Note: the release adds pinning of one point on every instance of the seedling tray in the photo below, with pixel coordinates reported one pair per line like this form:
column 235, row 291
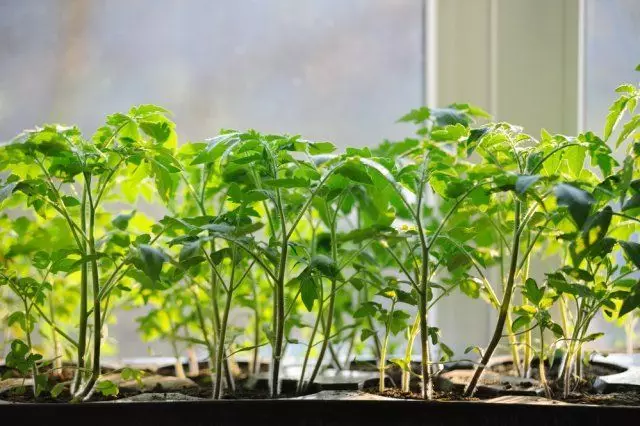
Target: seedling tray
column 317, row 412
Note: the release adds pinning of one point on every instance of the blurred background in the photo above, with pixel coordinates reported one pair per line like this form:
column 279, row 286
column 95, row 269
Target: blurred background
column 338, row 70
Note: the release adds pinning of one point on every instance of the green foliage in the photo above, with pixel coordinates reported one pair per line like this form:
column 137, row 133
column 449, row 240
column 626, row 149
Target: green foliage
column 345, row 252
column 107, row 388
column 21, row 358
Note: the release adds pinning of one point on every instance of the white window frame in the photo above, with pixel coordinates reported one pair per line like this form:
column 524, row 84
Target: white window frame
column 523, row 61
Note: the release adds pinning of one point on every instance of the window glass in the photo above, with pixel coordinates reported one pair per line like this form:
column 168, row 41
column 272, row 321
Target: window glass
column 612, row 52
column 338, row 70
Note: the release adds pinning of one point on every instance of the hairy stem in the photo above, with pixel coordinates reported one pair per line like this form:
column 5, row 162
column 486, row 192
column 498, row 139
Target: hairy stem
column 423, row 310
column 542, row 367
column 61, row 332
column 566, row 371
column 279, row 314
column 310, row 346
column 84, row 272
column 332, row 298
column 255, row 364
column 57, row 359
column 174, row 346
column 220, row 357
column 334, row 356
column 504, row 307
column 513, row 344
column 216, row 320
column 412, row 333
column 34, row 367
column 526, row 366
column 377, row 347
column 95, row 281
column 205, row 334
column 382, row 365
column 528, row 334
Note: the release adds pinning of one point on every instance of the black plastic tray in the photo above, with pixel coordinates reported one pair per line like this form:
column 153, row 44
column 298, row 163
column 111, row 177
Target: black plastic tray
column 314, row 412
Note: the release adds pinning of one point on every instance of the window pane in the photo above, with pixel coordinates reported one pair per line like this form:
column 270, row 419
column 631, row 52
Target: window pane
column 612, row 48
column 339, row 70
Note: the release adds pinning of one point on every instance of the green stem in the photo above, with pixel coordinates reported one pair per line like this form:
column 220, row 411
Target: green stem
column 326, row 329
column 334, row 357
column 449, row 214
column 97, row 325
column 84, row 284
column 515, row 353
column 332, row 296
column 411, row 337
column 220, row 357
column 34, row 367
column 568, row 359
column 377, row 345
column 542, row 367
column 205, row 332
column 563, row 314
column 309, row 200
column 504, row 307
column 112, row 172
column 352, row 341
column 583, row 333
column 528, row 334
column 382, row 366
column 579, row 362
column 174, row 346
column 307, row 354
column 54, row 326
column 424, row 291
column 256, row 332
column 424, row 342
column 526, row 365
column 54, row 334
column 404, row 270
column 62, row 209
column 95, row 278
column 279, row 312
column 629, row 327
column 215, row 277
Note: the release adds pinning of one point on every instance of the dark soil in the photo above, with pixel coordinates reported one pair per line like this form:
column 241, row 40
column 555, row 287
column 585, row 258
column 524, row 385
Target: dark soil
column 65, row 396
column 437, row 395
column 204, row 390
column 255, row 394
column 206, row 393
column 630, row 399
column 585, row 394
column 619, row 398
column 203, row 380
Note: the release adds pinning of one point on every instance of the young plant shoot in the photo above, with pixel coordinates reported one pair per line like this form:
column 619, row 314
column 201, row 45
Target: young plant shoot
column 270, row 243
